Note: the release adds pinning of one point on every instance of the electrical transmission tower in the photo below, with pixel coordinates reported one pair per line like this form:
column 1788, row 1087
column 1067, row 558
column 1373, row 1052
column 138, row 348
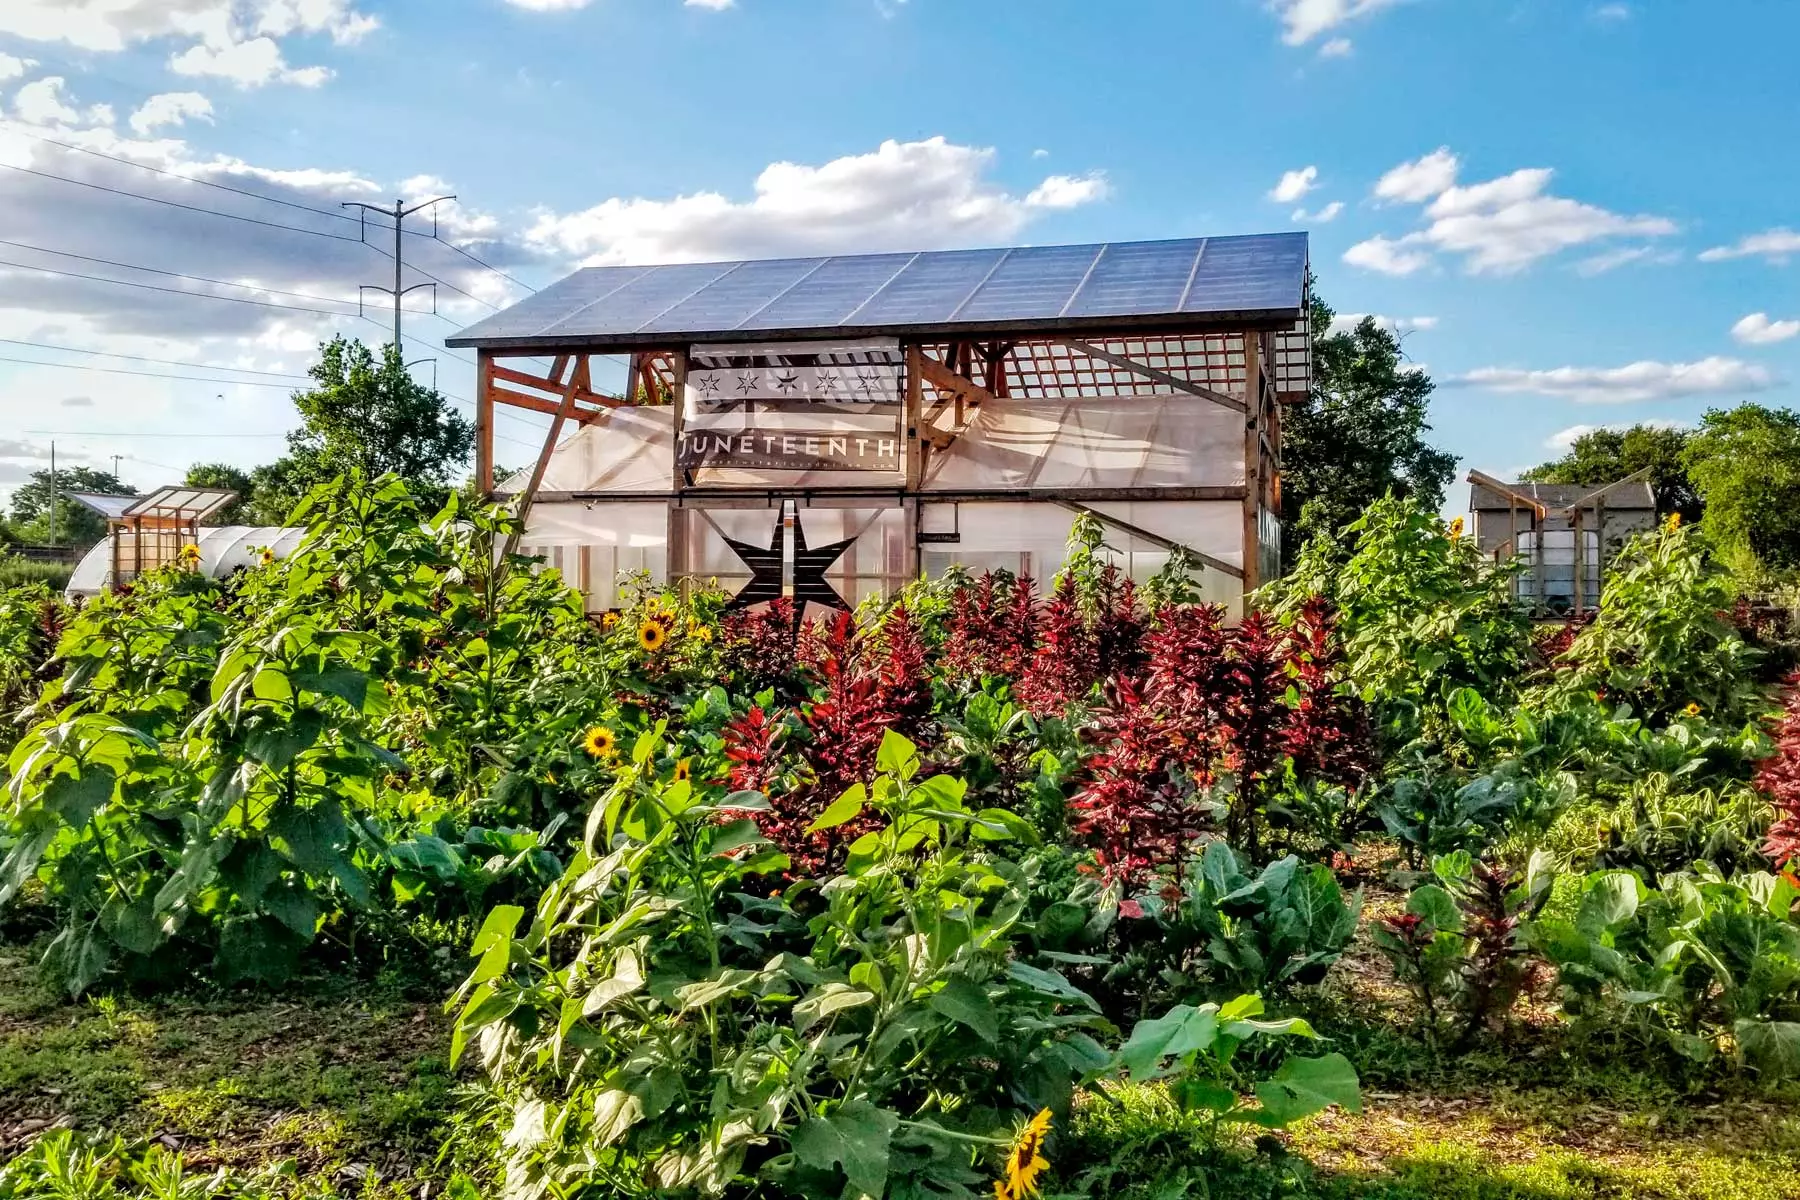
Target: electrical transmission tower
column 398, row 214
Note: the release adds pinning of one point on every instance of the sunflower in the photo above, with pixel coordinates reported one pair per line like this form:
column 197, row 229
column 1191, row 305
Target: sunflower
column 609, row 618
column 684, row 770
column 651, row 635
column 1456, row 527
column 1025, row 1161
column 1673, row 523
column 266, row 557
column 599, row 742
column 190, row 554
column 699, row 632
column 1692, row 710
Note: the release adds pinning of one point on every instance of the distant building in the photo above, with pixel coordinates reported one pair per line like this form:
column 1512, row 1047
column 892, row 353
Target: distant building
column 1568, row 534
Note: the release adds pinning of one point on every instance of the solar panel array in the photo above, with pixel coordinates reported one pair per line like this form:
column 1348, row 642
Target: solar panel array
column 929, row 291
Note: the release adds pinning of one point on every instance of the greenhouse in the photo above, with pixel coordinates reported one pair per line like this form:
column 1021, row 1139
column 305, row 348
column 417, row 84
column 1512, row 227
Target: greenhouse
column 223, row 549
column 829, row 428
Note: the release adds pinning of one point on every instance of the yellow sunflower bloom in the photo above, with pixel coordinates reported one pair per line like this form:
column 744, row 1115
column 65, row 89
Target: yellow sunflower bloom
column 608, row 619
column 1456, row 527
column 600, row 742
column 1692, row 710
column 266, row 557
column 684, row 770
column 651, row 635
column 1673, row 523
column 699, row 632
column 1025, row 1161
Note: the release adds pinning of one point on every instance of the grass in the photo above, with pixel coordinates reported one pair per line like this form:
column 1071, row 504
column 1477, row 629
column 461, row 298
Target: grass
column 333, row 1088
column 347, row 1083
column 15, row 572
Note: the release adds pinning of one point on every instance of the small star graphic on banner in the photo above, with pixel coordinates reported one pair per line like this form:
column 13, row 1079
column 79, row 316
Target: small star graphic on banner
column 708, row 385
column 867, row 382
column 746, row 383
column 787, row 383
column 824, row 382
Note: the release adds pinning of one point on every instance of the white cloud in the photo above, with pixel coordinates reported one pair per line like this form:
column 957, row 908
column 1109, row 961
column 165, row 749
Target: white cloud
column 550, row 5
column 1294, row 184
column 1418, row 181
column 170, row 108
column 44, row 102
column 1613, row 12
column 1040, row 152
column 903, row 195
column 1772, row 244
column 1757, row 330
column 1390, row 257
column 231, row 39
column 1303, row 20
column 1502, row 225
column 253, row 63
column 714, row 5
column 1611, row 260
column 1345, row 322
column 13, row 68
column 1069, row 191
column 1328, row 213
column 1637, row 381
column 1337, row 48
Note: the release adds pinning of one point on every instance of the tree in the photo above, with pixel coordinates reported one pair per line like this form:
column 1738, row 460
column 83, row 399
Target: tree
column 76, row 524
column 369, row 415
column 229, row 478
column 1745, row 466
column 1359, row 436
column 1603, row 456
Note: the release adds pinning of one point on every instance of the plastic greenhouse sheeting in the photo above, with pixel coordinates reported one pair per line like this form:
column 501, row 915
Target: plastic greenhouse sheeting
column 223, row 549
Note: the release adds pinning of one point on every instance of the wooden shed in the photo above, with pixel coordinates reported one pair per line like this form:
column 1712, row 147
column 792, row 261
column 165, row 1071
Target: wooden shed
column 1566, row 533
column 834, row 427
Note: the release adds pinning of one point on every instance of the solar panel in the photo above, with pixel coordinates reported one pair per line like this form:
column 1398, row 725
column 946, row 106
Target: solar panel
column 932, row 291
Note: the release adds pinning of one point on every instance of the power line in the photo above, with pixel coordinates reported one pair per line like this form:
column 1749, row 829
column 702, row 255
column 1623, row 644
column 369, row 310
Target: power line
column 167, row 362
column 175, row 291
column 194, row 208
column 124, row 266
column 31, row 362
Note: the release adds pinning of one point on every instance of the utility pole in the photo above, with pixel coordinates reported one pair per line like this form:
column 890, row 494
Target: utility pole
column 398, row 215
column 53, row 493
column 116, row 459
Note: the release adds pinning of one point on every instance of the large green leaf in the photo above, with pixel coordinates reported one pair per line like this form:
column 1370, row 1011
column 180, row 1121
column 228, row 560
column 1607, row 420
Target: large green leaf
column 76, row 798
column 1182, row 1030
column 821, row 1002
column 846, row 807
column 1304, row 1086
column 967, row 1004
column 1772, row 1047
column 857, row 1136
column 1049, row 983
column 21, row 862
column 896, row 756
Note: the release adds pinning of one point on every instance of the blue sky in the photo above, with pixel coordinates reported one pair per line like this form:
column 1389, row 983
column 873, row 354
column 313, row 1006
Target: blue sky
column 1579, row 213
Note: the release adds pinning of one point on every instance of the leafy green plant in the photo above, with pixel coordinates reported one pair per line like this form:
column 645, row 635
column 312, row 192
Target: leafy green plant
column 1265, row 933
column 62, row 1165
column 665, row 1023
column 1195, row 1051
column 1438, row 812
column 1704, row 965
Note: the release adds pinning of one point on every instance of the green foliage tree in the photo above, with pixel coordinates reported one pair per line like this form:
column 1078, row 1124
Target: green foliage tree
column 1603, row 456
column 1745, row 466
column 224, row 475
column 366, row 414
column 1359, row 436
column 75, row 523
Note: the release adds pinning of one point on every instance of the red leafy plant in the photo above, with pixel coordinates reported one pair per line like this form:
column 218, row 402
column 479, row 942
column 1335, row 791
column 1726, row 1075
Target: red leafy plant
column 1778, row 779
column 991, row 630
column 1212, row 702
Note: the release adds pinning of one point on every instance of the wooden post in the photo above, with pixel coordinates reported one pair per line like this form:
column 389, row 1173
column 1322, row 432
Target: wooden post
column 914, row 461
column 577, row 382
column 484, row 423
column 1600, row 543
column 676, row 567
column 1253, row 395
column 1580, row 555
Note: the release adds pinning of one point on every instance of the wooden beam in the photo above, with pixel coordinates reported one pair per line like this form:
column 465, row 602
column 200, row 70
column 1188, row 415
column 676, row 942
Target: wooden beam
column 1155, row 539
column 577, row 378
column 1506, row 489
column 549, row 407
column 1595, row 496
column 587, row 393
column 851, row 496
column 1253, row 497
column 1149, row 372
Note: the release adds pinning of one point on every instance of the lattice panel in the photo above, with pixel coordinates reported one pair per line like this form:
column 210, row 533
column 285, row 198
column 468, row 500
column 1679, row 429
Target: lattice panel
column 1293, row 362
column 1052, row 371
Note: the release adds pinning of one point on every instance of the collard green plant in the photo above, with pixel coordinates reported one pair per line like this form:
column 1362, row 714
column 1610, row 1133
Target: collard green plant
column 1194, row 1050
column 1706, row 966
column 665, row 1024
column 1435, row 812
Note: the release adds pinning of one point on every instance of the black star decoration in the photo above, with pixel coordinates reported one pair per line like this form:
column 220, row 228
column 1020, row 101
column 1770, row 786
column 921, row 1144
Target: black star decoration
column 708, row 384
column 787, row 383
column 746, row 383
column 809, row 571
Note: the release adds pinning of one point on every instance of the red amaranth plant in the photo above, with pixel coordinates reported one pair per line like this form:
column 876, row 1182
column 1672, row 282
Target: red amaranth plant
column 760, row 649
column 905, row 685
column 1778, row 778
column 1066, row 661
column 989, row 631
column 1134, row 812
